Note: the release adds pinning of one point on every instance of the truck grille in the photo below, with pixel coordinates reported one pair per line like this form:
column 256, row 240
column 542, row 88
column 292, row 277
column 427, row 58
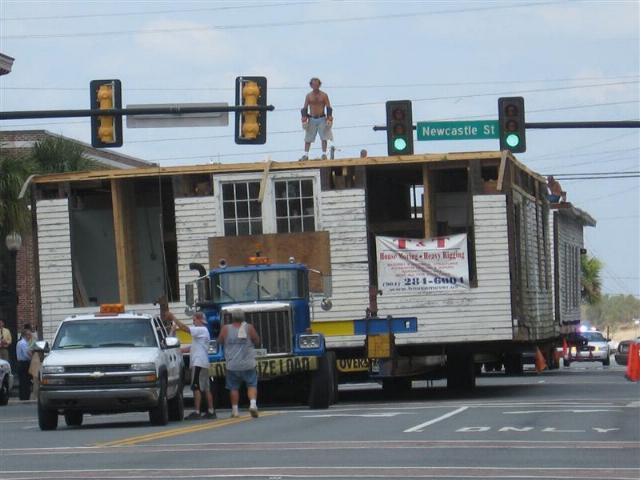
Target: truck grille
column 274, row 328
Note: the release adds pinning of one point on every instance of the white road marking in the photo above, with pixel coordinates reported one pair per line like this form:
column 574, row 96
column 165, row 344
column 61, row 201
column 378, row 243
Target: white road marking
column 635, row 404
column 419, row 428
column 364, row 415
column 561, row 411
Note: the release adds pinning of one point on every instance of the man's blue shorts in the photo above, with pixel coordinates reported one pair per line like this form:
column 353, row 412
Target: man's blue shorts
column 235, row 378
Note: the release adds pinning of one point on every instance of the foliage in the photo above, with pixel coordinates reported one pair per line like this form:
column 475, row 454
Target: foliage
column 51, row 155
column 14, row 215
column 614, row 311
column 590, row 278
column 59, row 155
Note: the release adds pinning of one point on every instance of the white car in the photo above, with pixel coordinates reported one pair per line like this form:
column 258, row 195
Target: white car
column 6, row 381
column 595, row 350
column 107, row 363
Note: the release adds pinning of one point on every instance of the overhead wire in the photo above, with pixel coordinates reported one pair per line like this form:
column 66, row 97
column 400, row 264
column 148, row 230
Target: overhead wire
column 106, row 14
column 300, row 23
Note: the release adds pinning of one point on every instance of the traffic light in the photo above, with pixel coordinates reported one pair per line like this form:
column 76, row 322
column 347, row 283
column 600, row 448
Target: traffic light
column 511, row 124
column 399, row 127
column 106, row 130
column 251, row 126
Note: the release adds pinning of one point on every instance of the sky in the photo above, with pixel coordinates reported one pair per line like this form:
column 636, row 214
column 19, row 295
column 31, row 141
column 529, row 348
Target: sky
column 570, row 60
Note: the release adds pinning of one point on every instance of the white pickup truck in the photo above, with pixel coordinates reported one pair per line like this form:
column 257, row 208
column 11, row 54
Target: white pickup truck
column 110, row 362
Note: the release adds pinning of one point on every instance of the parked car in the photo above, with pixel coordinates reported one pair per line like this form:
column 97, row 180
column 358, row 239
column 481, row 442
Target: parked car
column 6, row 381
column 596, row 349
column 622, row 354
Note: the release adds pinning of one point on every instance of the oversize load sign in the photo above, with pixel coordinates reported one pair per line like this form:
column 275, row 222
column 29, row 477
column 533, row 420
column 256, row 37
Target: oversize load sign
column 407, row 265
column 271, row 367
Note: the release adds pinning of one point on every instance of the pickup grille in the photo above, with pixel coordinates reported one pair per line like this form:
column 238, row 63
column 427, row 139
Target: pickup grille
column 97, row 368
column 274, row 328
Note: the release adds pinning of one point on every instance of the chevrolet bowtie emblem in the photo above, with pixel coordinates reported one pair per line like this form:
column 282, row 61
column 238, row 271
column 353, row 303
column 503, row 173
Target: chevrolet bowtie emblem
column 97, row 374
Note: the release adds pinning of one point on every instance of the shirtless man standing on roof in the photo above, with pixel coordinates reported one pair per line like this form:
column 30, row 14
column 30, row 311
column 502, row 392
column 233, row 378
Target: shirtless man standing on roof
column 314, row 118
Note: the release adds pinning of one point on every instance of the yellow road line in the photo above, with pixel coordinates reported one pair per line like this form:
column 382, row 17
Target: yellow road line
column 174, row 432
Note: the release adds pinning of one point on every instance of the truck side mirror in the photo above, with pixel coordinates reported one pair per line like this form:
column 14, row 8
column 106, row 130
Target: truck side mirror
column 188, row 294
column 172, row 342
column 327, row 286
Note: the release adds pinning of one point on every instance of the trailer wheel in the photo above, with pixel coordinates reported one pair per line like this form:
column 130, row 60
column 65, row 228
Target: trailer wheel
column 321, row 393
column 461, row 372
column 392, row 386
column 513, row 364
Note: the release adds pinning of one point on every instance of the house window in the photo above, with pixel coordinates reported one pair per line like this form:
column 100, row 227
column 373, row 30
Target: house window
column 241, row 209
column 295, row 211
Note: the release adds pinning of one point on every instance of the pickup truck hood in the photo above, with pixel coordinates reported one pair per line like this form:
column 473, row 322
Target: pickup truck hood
column 102, row 356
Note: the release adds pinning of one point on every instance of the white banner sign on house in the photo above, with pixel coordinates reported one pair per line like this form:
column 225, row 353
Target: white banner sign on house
column 409, row 265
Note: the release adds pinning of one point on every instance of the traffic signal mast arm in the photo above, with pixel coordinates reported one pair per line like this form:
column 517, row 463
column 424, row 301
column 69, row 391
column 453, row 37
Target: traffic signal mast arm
column 177, row 109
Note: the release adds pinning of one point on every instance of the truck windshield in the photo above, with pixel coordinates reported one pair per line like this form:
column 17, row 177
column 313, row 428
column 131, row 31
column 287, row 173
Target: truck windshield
column 106, row 332
column 251, row 286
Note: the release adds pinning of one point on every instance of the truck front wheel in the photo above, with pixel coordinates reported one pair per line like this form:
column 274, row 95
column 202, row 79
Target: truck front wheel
column 73, row 419
column 159, row 415
column 322, row 392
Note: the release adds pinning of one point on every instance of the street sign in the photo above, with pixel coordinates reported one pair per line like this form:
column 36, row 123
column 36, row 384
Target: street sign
column 173, row 120
column 472, row 130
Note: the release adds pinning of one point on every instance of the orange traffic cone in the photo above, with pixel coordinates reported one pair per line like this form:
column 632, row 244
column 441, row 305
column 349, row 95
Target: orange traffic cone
column 540, row 362
column 633, row 363
column 565, row 347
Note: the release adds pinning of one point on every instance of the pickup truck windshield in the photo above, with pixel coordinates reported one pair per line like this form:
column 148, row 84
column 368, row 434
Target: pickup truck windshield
column 104, row 333
column 258, row 286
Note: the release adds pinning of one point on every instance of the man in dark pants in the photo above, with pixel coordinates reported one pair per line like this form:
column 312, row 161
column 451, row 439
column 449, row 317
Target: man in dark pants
column 23, row 355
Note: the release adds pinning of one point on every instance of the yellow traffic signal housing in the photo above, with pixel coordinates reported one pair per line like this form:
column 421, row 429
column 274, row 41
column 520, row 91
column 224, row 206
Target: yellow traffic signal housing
column 106, row 130
column 251, row 126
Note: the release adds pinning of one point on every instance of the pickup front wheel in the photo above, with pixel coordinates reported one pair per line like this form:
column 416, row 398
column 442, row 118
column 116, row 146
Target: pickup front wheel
column 47, row 418
column 159, row 415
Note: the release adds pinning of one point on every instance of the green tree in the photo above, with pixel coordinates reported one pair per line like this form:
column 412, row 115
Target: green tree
column 590, row 279
column 14, row 214
column 60, row 155
column 614, row 311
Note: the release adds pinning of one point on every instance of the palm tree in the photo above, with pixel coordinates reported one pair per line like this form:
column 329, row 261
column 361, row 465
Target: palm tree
column 590, row 278
column 14, row 215
column 59, row 155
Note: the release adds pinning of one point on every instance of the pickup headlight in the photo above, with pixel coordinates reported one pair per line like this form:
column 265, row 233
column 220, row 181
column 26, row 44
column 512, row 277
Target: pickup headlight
column 52, row 369
column 143, row 367
column 213, row 347
column 309, row 341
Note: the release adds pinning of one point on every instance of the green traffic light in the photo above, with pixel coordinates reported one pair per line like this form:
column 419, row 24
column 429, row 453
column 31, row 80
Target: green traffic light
column 399, row 144
column 512, row 140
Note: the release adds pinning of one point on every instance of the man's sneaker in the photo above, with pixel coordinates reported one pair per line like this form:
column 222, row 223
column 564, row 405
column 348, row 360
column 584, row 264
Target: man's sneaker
column 303, row 158
column 323, row 157
column 254, row 412
column 210, row 415
column 193, row 416
column 235, row 415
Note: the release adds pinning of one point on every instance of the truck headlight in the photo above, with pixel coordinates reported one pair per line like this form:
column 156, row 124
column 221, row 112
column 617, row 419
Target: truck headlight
column 143, row 367
column 213, row 347
column 309, row 341
column 52, row 369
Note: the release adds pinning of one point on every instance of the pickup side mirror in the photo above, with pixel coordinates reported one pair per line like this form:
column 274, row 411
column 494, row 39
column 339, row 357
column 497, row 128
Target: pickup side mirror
column 172, row 342
column 42, row 346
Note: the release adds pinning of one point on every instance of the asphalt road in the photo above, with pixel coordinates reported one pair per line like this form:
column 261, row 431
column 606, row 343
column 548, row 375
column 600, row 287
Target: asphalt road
column 576, row 423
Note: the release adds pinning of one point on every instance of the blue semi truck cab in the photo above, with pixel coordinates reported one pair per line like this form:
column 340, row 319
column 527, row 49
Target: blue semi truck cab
column 275, row 299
